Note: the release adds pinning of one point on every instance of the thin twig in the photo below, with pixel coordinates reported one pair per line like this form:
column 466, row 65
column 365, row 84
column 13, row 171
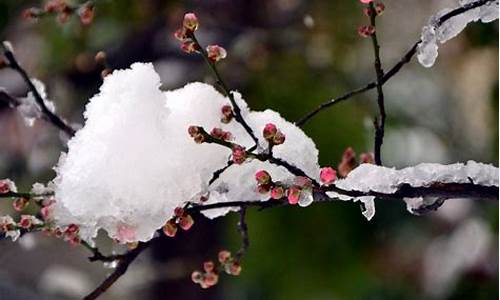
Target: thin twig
column 243, row 229
column 237, row 111
column 49, row 115
column 380, row 120
column 393, row 71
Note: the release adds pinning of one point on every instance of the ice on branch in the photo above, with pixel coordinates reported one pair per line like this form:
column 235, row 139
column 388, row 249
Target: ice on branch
column 372, row 178
column 29, row 108
column 435, row 33
column 134, row 162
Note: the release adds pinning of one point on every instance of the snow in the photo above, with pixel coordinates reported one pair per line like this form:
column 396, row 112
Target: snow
column 373, row 178
column 133, row 162
column 29, row 108
column 434, row 34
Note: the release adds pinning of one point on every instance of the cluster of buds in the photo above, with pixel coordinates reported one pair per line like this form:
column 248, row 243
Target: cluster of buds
column 348, row 162
column 273, row 135
column 239, row 154
column 197, row 133
column 227, row 114
column 185, row 35
column 300, row 192
column 327, row 175
column 20, row 204
column 63, row 11
column 69, row 233
column 379, row 8
column 7, row 185
column 220, row 134
column 181, row 219
column 366, row 30
column 210, row 274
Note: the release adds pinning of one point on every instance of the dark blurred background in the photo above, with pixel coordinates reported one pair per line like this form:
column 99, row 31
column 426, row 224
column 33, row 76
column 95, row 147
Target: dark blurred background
column 287, row 55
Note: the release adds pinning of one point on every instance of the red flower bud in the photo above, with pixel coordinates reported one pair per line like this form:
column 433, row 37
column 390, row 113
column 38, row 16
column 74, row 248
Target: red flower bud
column 170, row 229
column 277, row 192
column 190, row 22
column 179, row 211
column 20, row 203
column 239, row 154
column 269, row 131
column 279, row 138
column 216, row 53
column 327, row 175
column 186, row 222
column 262, row 177
column 366, row 158
column 293, row 195
column 366, row 30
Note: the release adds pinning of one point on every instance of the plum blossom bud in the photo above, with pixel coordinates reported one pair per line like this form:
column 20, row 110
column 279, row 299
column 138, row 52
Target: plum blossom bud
column 367, row 11
column 74, row 240
column 28, row 221
column 190, row 22
column 227, row 114
column 186, row 222
column 100, row 57
column 348, row 162
column 262, row 177
column 279, row 138
column 327, row 175
column 239, row 154
column 216, row 53
column 210, row 279
column 366, row 30
column 20, row 203
column 30, row 13
column 293, row 195
column 234, row 268
column 220, row 134
column 170, row 229
column 277, row 192
column 86, row 13
column 193, row 130
column 179, row 211
column 189, row 46
column 269, row 131
column 46, row 212
column 199, row 139
column 180, row 34
column 196, row 276
column 303, row 182
column 7, row 185
column 366, row 158
column 224, row 256
column 72, row 229
column 54, row 6
column 379, row 8
column 366, row 1
column 264, row 188
column 208, row 266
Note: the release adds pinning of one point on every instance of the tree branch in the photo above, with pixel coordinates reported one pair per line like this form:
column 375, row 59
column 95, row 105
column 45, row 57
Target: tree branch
column 50, row 116
column 393, row 71
column 380, row 120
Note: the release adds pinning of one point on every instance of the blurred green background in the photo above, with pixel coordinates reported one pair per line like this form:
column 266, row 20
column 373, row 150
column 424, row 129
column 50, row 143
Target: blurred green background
column 287, row 55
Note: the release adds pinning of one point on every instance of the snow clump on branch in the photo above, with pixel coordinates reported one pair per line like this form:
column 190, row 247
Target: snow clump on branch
column 133, row 162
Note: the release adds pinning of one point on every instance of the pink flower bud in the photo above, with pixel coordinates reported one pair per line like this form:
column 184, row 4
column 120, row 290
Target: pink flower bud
column 186, row 222
column 277, row 192
column 220, row 134
column 170, row 229
column 54, row 6
column 227, row 136
column 20, row 203
column 302, row 182
column 216, row 53
column 190, row 22
column 348, row 154
column 327, row 175
column 196, row 276
column 379, row 8
column 199, row 139
column 224, row 256
column 235, row 268
column 26, row 221
column 264, row 188
column 210, row 279
column 74, row 241
column 269, row 131
column 179, row 211
column 208, row 266
column 180, row 34
column 366, row 30
column 72, row 229
column 239, row 154
column 6, row 185
column 366, row 158
column 46, row 212
column 279, row 138
column 193, row 130
column 365, row 1
column 227, row 114
column 262, row 177
column 293, row 195
column 86, row 14
column 188, row 46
